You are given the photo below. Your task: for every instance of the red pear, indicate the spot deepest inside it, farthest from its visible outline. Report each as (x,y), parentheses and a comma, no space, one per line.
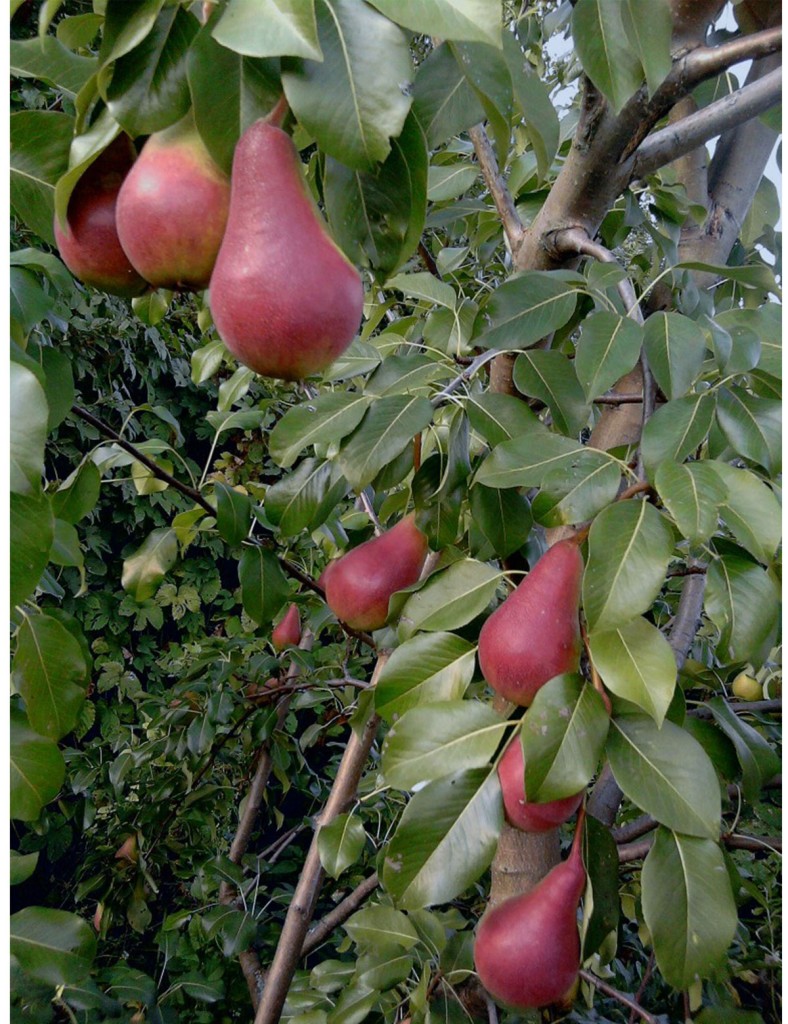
(535,634)
(527,949)
(172,209)
(360,583)
(287,632)
(89,243)
(525,814)
(285,300)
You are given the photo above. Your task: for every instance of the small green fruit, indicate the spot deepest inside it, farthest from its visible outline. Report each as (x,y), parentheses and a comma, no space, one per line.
(746,687)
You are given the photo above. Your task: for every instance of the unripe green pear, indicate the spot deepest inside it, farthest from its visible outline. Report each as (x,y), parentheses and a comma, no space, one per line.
(359,584)
(746,687)
(285,300)
(172,209)
(527,949)
(535,634)
(88,243)
(521,812)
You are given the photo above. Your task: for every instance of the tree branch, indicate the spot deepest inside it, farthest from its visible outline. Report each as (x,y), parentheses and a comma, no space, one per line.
(499,190)
(687,618)
(341,912)
(678,139)
(620,997)
(304,900)
(707,61)
(576,242)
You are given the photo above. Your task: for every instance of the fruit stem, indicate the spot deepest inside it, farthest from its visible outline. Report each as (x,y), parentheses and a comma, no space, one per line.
(278,112)
(577,844)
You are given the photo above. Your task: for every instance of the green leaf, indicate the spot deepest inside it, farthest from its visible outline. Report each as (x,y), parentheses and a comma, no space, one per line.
(305,498)
(146,568)
(32,533)
(22,866)
(389,425)
(500,417)
(474,20)
(30,304)
(66,548)
(52,946)
(49,61)
(666,773)
(340,843)
(410,374)
(206,360)
(353,1006)
(742,327)
(49,671)
(750,510)
(676,429)
(752,426)
(449,181)
(524,461)
(78,494)
(126,26)
(486,69)
(29,418)
(533,98)
(424,287)
(605,52)
(630,545)
(59,386)
(563,736)
(503,516)
(149,89)
(250,89)
(692,930)
(233,514)
(79,31)
(85,148)
(451,598)
(692,493)
(325,419)
(270,28)
(743,603)
(433,740)
(377,217)
(234,388)
(601,911)
(549,375)
(428,667)
(380,970)
(241,419)
(575,491)
(675,348)
(378,926)
(264,586)
(636,662)
(443,99)
(446,838)
(527,308)
(358,96)
(37,769)
(649,27)
(608,348)
(758,760)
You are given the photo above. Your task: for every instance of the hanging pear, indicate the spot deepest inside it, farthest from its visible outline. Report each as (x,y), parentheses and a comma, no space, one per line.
(287,632)
(360,583)
(284,298)
(534,634)
(527,949)
(521,812)
(172,209)
(89,244)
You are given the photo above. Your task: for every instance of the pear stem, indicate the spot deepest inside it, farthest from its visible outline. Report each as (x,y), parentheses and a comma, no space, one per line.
(278,112)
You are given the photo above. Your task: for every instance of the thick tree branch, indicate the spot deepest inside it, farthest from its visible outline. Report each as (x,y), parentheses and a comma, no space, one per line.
(304,900)
(707,61)
(678,139)
(340,914)
(687,618)
(499,190)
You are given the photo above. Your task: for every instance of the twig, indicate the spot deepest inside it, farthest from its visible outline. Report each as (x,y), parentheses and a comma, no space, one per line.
(155,469)
(492,1011)
(499,190)
(620,997)
(706,61)
(743,707)
(576,242)
(642,987)
(634,851)
(634,829)
(428,261)
(304,900)
(758,844)
(668,144)
(649,398)
(466,375)
(687,618)
(341,912)
(365,497)
(618,400)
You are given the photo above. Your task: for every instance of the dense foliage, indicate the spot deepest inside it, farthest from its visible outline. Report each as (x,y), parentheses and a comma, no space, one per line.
(168,505)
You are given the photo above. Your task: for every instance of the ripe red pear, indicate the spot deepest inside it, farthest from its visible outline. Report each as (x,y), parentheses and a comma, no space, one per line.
(287,632)
(527,949)
(172,209)
(535,634)
(89,243)
(285,300)
(521,812)
(360,583)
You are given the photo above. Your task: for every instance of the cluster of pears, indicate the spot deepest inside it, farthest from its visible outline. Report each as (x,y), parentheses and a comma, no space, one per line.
(284,298)
(527,949)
